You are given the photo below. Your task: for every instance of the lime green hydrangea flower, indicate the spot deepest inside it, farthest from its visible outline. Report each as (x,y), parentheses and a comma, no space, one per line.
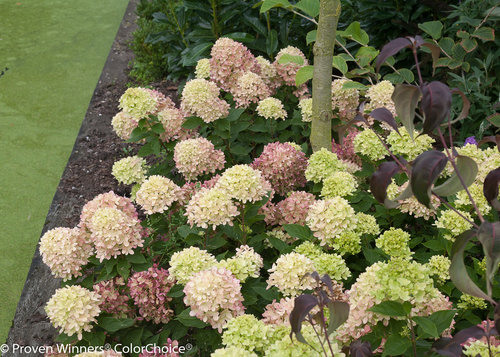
(232,352)
(246,332)
(453,224)
(347,242)
(332,264)
(476,191)
(187,262)
(469,302)
(129,170)
(242,183)
(271,108)
(341,184)
(480,348)
(394,242)
(439,267)
(309,249)
(329,218)
(405,146)
(288,274)
(286,347)
(367,224)
(367,143)
(246,263)
(322,164)
(203,68)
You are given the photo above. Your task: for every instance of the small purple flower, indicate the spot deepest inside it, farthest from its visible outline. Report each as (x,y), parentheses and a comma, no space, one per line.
(470,140)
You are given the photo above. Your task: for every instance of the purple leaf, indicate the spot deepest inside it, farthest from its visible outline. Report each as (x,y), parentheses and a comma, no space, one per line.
(339,312)
(458,271)
(470,332)
(447,347)
(303,305)
(360,349)
(383,115)
(426,169)
(490,188)
(391,49)
(467,168)
(489,236)
(381,179)
(491,139)
(405,98)
(436,104)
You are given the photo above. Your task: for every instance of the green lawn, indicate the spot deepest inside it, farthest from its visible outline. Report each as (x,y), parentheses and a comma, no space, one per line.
(55,51)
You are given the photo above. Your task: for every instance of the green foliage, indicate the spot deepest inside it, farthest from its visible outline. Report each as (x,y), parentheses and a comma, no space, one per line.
(173,35)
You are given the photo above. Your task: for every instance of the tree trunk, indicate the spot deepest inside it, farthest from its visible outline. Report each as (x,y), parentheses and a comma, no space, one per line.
(321,126)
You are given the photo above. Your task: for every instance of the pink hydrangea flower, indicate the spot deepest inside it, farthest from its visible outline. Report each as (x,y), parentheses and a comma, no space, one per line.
(229,60)
(149,290)
(113,232)
(65,251)
(196,157)
(249,88)
(103,200)
(278,312)
(289,70)
(346,151)
(294,208)
(282,166)
(113,299)
(201,98)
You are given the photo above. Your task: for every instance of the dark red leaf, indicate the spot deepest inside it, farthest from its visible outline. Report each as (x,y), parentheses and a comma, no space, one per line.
(328,282)
(490,188)
(303,305)
(405,98)
(465,106)
(360,349)
(339,312)
(447,347)
(391,49)
(470,332)
(381,179)
(426,169)
(489,236)
(458,271)
(491,139)
(383,115)
(436,104)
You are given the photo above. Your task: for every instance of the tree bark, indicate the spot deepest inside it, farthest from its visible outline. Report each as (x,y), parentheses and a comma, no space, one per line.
(321,126)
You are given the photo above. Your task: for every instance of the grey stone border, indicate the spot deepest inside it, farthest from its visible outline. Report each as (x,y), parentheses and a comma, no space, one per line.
(30,326)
